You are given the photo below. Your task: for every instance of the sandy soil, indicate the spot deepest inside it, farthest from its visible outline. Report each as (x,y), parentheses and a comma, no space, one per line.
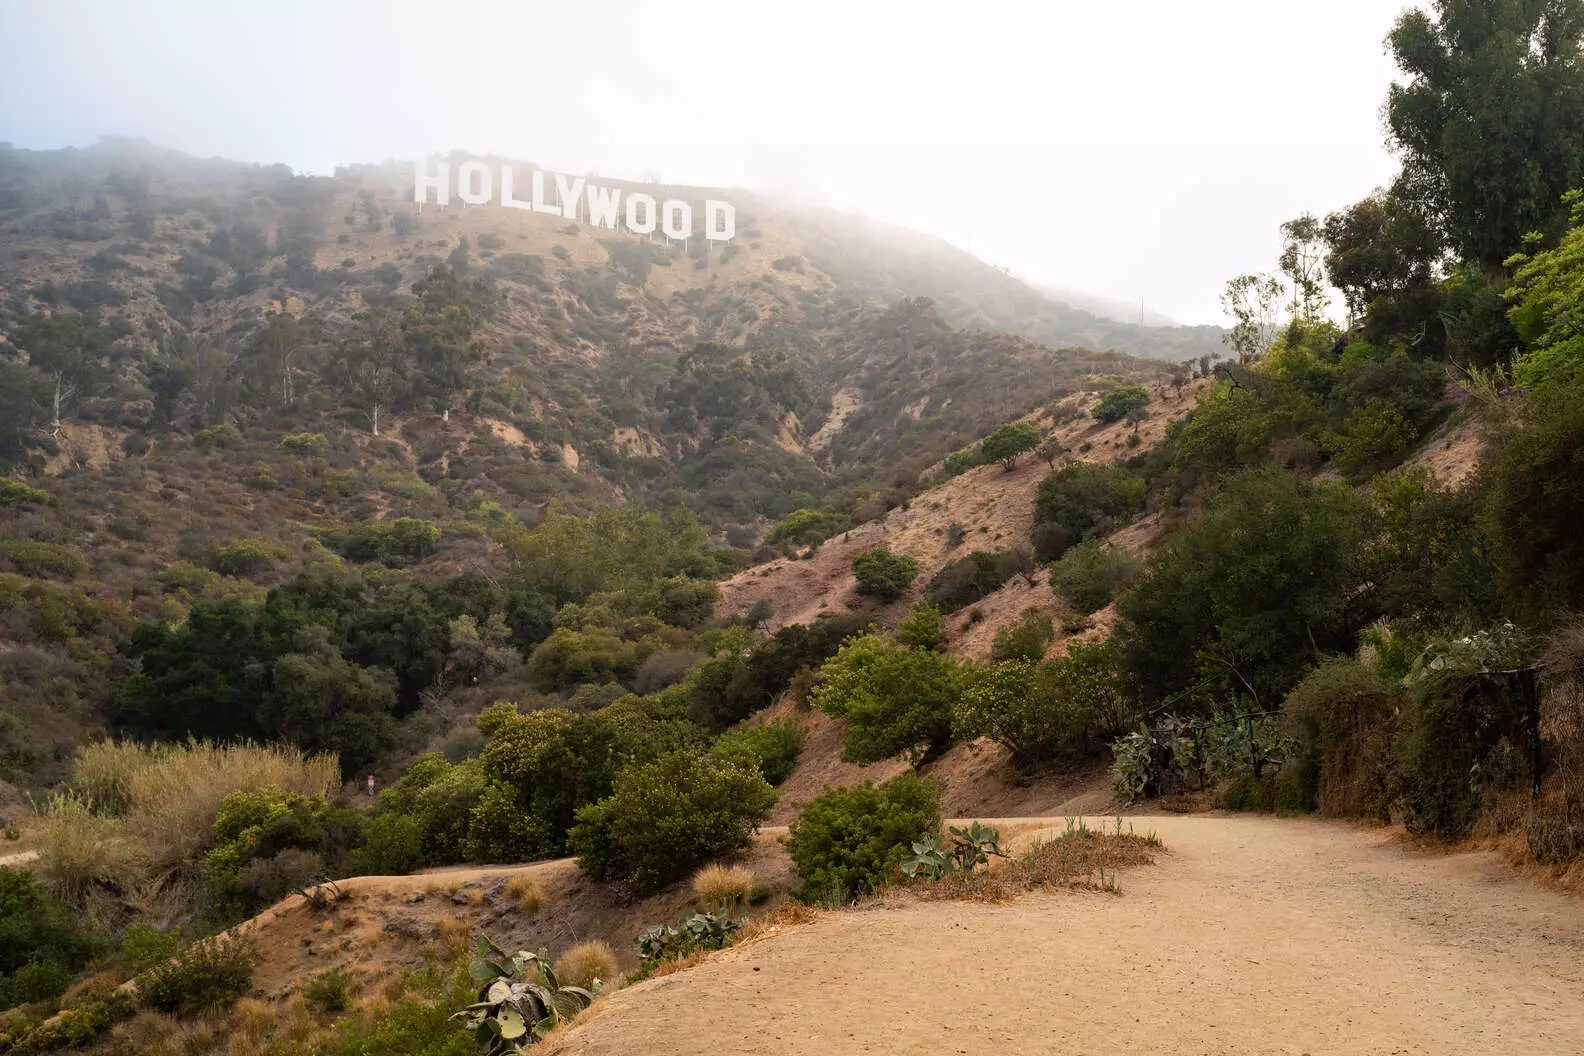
(1252,935)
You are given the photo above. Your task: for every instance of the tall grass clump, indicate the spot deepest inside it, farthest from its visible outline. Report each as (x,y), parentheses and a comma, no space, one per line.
(139,815)
(720,886)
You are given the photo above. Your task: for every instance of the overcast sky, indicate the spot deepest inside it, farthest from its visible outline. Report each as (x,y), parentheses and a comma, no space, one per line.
(1142,150)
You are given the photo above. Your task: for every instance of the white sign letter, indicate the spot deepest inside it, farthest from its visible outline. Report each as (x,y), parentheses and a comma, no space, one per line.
(465,180)
(648,225)
(440,181)
(603,203)
(568,194)
(676,219)
(508,178)
(539,203)
(720,221)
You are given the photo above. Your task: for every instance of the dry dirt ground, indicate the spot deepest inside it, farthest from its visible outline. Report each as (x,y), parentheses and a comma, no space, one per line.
(1249,935)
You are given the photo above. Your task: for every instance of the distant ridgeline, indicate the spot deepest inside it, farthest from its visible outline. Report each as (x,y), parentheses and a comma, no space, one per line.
(477,182)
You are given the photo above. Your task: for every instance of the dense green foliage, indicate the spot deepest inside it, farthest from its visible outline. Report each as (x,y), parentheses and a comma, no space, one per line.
(882,574)
(849,841)
(897,700)
(666,819)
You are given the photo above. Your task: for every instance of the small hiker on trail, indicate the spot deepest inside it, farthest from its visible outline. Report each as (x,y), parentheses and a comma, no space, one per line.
(371,784)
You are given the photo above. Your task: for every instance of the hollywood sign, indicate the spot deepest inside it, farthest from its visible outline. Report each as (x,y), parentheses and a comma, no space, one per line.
(477,183)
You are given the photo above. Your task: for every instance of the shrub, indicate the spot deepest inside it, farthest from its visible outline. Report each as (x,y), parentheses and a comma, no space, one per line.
(850,841)
(1089,575)
(1374,437)
(1088,499)
(526,892)
(142,947)
(897,702)
(882,574)
(1341,720)
(392,846)
(16,493)
(1119,402)
(330,991)
(206,977)
(1457,725)
(588,964)
(42,945)
(248,556)
(217,437)
(664,819)
(974,578)
(304,444)
(38,559)
(771,747)
(806,526)
(1259,580)
(1016,703)
(921,628)
(1535,505)
(1026,639)
(722,886)
(1008,442)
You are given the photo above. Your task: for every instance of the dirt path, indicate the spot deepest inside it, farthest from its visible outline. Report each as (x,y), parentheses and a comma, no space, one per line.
(1251,935)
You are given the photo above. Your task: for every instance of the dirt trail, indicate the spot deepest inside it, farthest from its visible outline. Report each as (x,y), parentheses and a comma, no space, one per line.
(1250,935)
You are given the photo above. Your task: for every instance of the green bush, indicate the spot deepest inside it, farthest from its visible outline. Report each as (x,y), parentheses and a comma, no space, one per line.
(216,437)
(1026,639)
(248,556)
(975,577)
(851,841)
(330,991)
(303,444)
(392,846)
(204,978)
(771,747)
(897,701)
(38,559)
(16,493)
(1017,703)
(882,574)
(42,944)
(1090,575)
(1535,504)
(1342,723)
(665,819)
(921,628)
(1374,437)
(1088,499)
(806,526)
(1119,402)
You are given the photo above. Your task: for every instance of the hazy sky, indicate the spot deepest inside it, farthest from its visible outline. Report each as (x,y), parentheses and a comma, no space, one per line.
(1135,150)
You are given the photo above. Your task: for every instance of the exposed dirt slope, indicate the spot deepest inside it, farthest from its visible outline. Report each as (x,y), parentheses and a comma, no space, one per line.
(387,924)
(995,507)
(1251,935)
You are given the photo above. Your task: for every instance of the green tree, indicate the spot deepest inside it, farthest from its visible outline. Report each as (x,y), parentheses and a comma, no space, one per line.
(897,701)
(1008,442)
(664,820)
(1491,117)
(1251,301)
(1017,704)
(1120,402)
(1250,592)
(882,574)
(1547,289)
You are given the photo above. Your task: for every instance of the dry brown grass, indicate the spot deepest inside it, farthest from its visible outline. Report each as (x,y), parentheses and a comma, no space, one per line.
(1081,858)
(585,963)
(525,891)
(454,935)
(143,815)
(720,886)
(77,847)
